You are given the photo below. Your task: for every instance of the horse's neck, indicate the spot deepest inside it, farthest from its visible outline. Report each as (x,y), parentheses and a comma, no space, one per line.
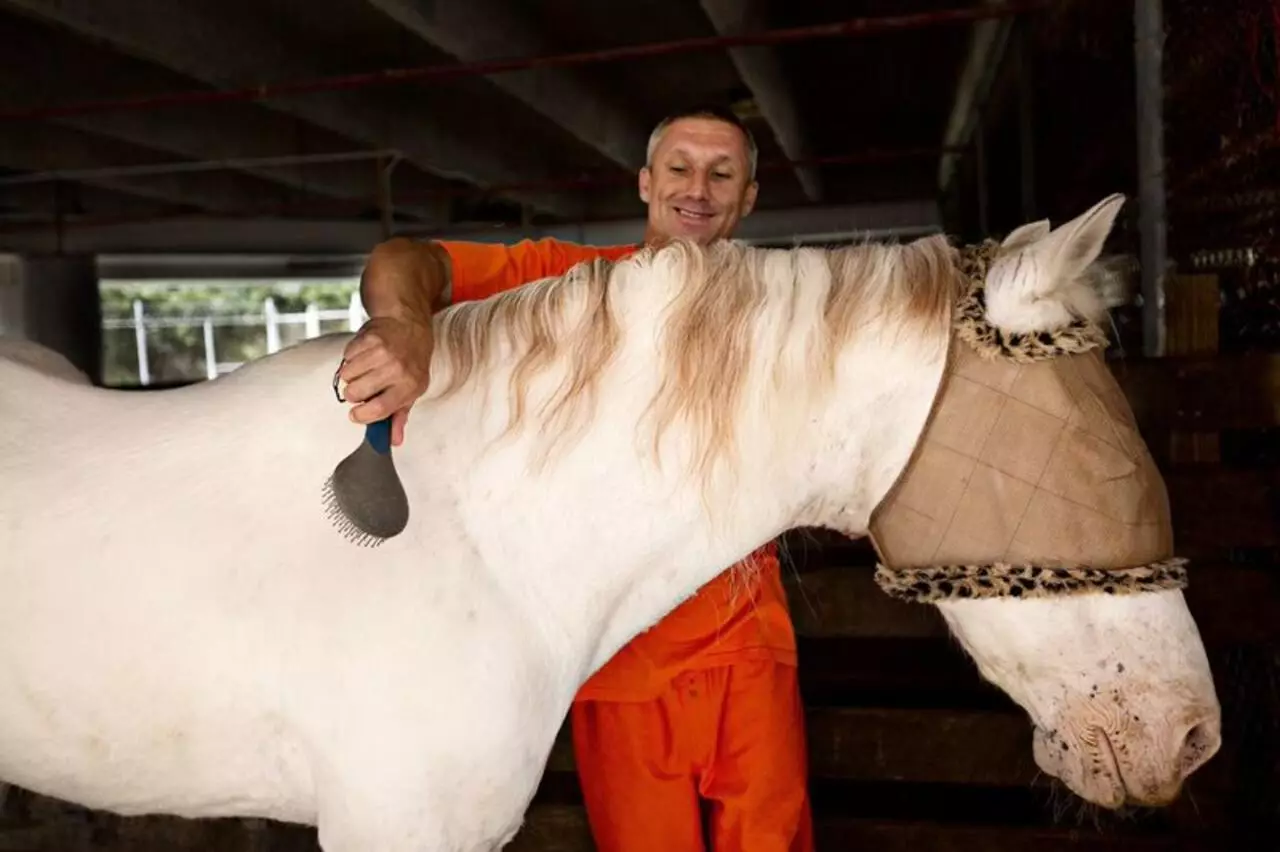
(600,544)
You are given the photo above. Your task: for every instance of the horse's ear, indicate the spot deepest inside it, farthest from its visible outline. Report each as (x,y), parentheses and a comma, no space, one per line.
(1076,244)
(1024,235)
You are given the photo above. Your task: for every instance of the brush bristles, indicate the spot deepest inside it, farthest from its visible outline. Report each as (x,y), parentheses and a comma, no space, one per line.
(341,522)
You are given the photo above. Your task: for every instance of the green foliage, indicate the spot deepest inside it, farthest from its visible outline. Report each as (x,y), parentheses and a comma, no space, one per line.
(177,353)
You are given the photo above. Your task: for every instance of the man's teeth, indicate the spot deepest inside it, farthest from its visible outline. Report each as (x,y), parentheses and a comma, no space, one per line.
(691,214)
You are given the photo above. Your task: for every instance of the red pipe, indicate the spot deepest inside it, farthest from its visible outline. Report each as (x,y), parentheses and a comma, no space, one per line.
(849,28)
(620,178)
(344,206)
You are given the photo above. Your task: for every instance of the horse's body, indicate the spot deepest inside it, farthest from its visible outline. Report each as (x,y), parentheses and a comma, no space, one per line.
(182,631)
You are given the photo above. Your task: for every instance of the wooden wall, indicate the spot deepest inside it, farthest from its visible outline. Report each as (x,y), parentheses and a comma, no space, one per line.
(909,748)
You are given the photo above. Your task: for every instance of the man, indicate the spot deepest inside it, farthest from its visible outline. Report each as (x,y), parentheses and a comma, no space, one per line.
(705,705)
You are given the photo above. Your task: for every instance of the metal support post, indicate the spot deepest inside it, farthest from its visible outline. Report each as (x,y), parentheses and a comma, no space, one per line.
(1148,59)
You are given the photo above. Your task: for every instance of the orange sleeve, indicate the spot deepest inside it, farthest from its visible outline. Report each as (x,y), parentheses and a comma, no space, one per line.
(480,270)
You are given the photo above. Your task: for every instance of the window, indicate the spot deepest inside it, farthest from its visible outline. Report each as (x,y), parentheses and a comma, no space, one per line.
(177,331)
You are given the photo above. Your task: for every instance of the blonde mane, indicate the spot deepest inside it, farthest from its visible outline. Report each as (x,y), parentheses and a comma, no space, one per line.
(733,314)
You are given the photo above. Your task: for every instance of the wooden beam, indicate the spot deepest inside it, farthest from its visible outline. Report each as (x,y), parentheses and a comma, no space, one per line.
(987,46)
(970,747)
(1191,323)
(192,40)
(475,30)
(763,75)
(1216,509)
(564,828)
(1203,392)
(1231,604)
(228,132)
(937,818)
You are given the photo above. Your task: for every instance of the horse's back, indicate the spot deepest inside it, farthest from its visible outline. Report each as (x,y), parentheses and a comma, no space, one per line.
(34,356)
(150,540)
(183,627)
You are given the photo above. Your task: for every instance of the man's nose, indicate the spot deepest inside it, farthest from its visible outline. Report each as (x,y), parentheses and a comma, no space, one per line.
(700,186)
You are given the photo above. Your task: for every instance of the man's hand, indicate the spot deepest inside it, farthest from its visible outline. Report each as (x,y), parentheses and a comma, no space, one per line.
(386,367)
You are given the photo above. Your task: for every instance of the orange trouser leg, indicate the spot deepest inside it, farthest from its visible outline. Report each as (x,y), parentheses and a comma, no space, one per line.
(640,791)
(757,781)
(733,735)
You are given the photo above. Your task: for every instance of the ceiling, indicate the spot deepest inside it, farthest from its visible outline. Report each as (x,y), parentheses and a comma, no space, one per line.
(139,118)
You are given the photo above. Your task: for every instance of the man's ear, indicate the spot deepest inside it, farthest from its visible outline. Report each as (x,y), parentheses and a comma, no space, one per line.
(749,201)
(644,184)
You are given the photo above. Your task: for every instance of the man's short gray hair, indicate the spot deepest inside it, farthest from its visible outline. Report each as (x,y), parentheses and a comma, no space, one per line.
(718,113)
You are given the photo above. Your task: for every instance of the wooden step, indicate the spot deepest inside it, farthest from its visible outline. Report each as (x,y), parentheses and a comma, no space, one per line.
(852,816)
(879,815)
(563,828)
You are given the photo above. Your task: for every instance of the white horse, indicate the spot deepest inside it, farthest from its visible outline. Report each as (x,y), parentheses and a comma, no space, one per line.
(183,632)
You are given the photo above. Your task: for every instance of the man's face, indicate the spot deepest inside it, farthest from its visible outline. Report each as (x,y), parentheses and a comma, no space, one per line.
(699,184)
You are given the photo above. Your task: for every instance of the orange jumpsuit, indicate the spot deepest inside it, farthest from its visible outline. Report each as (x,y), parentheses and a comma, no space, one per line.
(706,703)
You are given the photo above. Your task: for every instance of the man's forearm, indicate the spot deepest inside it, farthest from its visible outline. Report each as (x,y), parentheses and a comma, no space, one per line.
(405,278)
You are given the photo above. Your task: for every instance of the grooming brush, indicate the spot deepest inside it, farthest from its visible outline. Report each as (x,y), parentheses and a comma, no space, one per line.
(364,497)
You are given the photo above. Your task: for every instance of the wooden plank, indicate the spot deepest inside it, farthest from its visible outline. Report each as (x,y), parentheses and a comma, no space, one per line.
(934,814)
(1231,605)
(1216,509)
(902,673)
(844,600)
(847,814)
(958,748)
(1203,393)
(564,828)
(925,746)
(79,830)
(937,815)
(1192,308)
(1192,312)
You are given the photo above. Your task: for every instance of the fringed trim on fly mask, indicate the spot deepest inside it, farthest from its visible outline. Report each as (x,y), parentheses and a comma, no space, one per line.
(1009,580)
(991,342)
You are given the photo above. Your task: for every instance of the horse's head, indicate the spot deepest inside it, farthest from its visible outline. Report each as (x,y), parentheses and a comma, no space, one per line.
(1034,518)
(1117,686)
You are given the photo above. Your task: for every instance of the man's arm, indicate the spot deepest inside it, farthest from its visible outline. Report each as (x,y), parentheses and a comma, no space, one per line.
(406,277)
(387,364)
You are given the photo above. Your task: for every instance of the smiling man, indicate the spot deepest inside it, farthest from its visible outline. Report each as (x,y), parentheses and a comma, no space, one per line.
(699,177)
(704,706)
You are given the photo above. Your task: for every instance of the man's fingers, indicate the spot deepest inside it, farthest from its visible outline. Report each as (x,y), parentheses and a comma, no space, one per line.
(375,409)
(393,398)
(364,340)
(362,363)
(377,380)
(398,422)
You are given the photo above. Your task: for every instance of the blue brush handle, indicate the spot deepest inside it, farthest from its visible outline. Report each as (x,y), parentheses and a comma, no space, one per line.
(378,434)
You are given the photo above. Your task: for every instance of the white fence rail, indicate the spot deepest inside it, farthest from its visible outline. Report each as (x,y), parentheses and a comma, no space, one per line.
(271,318)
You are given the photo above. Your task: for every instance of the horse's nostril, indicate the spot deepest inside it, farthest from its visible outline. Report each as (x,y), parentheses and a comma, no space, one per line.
(1200,743)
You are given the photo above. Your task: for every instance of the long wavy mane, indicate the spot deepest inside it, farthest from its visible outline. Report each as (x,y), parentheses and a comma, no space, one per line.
(737,326)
